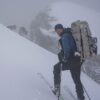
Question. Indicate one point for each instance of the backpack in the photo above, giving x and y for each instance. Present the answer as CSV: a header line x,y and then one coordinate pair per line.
x,y
86,44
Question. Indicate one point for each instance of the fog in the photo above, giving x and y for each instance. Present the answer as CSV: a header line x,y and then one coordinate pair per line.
x,y
22,12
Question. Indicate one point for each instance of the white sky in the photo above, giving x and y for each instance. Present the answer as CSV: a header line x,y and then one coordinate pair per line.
x,y
22,12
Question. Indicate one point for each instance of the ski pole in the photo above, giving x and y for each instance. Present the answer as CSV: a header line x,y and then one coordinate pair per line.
x,y
60,81
86,93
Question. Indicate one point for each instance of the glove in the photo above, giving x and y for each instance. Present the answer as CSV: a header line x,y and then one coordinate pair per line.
x,y
64,61
77,54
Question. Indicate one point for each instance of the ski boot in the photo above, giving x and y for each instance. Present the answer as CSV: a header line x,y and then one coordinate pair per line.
x,y
56,90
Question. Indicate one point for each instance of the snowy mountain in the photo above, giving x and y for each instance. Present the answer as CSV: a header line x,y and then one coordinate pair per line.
x,y
21,60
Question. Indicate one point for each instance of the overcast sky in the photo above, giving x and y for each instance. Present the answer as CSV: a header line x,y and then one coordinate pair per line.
x,y
21,12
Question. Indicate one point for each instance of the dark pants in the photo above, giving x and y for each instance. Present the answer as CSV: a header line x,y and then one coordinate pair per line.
x,y
74,65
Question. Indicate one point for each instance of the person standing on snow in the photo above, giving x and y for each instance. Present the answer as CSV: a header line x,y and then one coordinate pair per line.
x,y
70,60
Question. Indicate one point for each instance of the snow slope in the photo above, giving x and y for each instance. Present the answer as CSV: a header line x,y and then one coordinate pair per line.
x,y
21,60
68,12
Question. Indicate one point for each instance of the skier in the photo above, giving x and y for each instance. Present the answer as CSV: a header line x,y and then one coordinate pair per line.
x,y
70,60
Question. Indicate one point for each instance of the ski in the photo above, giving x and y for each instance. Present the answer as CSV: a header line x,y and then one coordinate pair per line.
x,y
60,97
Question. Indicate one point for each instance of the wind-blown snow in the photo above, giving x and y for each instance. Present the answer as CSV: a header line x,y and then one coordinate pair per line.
x,y
21,60
49,33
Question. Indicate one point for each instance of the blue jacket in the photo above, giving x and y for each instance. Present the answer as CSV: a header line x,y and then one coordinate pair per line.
x,y
68,45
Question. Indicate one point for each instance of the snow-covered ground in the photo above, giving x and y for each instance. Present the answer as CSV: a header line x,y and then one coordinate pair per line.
x,y
92,68
21,60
